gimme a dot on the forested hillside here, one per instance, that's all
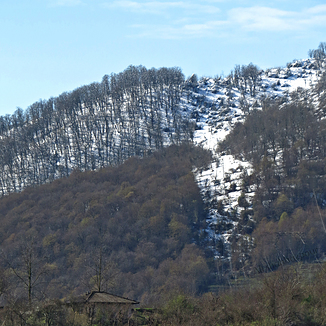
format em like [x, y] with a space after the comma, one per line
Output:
[267, 132]
[285, 143]
[136, 230]
[106, 188]
[97, 125]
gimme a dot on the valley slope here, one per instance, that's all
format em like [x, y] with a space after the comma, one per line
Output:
[111, 168]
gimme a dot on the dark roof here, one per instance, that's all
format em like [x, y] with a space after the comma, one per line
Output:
[102, 297]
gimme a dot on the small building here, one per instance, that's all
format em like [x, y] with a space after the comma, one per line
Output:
[91, 303]
[96, 297]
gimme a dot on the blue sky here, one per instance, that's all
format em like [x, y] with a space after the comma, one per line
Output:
[51, 46]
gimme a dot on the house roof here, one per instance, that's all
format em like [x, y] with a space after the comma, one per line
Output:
[102, 297]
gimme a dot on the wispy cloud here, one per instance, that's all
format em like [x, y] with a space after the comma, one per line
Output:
[160, 7]
[214, 1]
[317, 9]
[177, 32]
[275, 20]
[65, 3]
[263, 19]
[194, 20]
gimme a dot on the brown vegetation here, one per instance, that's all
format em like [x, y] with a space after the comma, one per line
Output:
[291, 296]
[132, 229]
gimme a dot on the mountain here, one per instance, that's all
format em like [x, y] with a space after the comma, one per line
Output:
[262, 184]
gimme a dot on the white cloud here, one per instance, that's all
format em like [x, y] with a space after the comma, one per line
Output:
[193, 19]
[159, 7]
[262, 19]
[66, 3]
[271, 19]
[182, 31]
[317, 9]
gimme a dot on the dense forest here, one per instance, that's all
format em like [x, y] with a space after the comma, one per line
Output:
[137, 230]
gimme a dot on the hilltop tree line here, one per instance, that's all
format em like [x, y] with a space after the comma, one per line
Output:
[319, 54]
[97, 125]
[246, 78]
[106, 122]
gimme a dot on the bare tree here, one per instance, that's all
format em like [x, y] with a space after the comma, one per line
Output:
[27, 267]
[103, 270]
[319, 54]
[250, 75]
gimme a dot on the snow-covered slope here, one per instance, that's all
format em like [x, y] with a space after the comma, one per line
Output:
[138, 111]
[216, 105]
